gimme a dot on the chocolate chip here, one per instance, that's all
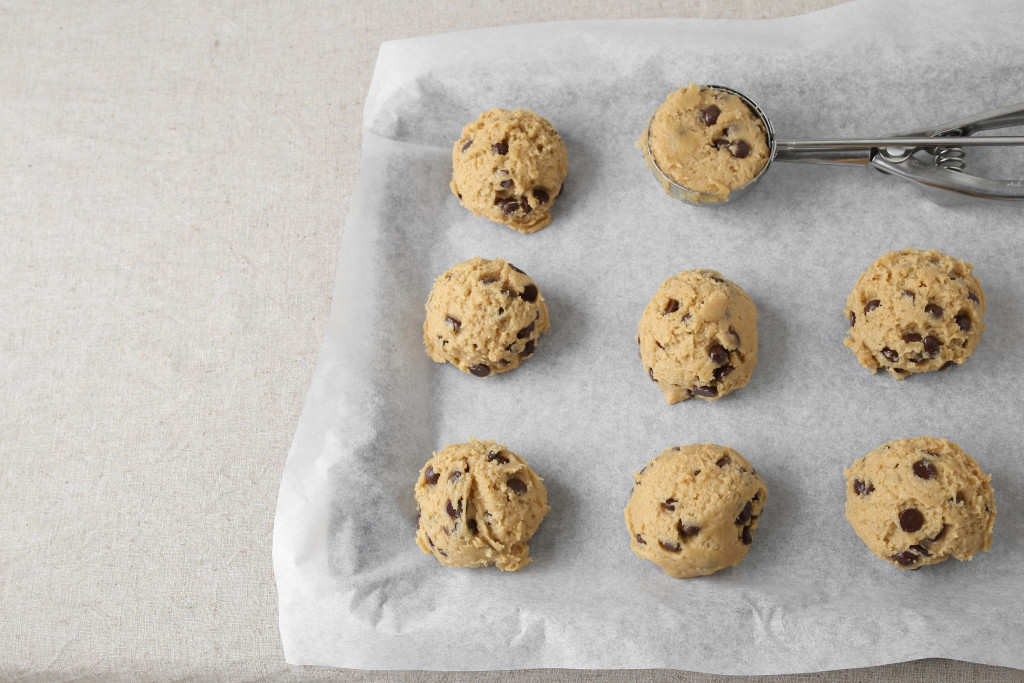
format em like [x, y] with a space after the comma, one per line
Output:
[920, 550]
[972, 297]
[710, 115]
[526, 205]
[925, 469]
[640, 540]
[669, 505]
[869, 489]
[500, 148]
[459, 195]
[735, 334]
[488, 280]
[911, 520]
[671, 547]
[907, 292]
[506, 183]
[442, 552]
[685, 317]
[931, 345]
[720, 373]
[745, 513]
[963, 321]
[453, 322]
[947, 365]
[890, 355]
[723, 461]
[686, 530]
[526, 331]
[480, 370]
[942, 532]
[720, 143]
[696, 472]
[860, 488]
[429, 541]
[718, 354]
[541, 195]
[454, 476]
[853, 318]
[707, 392]
[746, 537]
[718, 279]
[650, 373]
[529, 293]
[507, 205]
[453, 511]
[739, 149]
[911, 337]
[469, 143]
[959, 498]
[517, 486]
[871, 305]
[430, 476]
[671, 307]
[527, 348]
[933, 310]
[906, 558]
[496, 455]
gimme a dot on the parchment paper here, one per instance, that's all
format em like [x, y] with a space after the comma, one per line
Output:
[356, 591]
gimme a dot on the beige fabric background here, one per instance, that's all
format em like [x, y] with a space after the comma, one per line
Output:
[174, 179]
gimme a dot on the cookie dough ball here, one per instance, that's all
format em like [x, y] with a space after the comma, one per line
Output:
[508, 167]
[915, 502]
[913, 311]
[708, 141]
[698, 336]
[479, 504]
[484, 316]
[694, 509]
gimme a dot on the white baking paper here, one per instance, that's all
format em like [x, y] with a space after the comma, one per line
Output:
[355, 590]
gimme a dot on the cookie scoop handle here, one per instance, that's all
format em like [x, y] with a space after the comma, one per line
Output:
[862, 150]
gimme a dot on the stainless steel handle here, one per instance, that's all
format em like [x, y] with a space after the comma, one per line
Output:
[861, 150]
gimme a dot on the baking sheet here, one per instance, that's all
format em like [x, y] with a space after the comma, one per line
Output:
[355, 590]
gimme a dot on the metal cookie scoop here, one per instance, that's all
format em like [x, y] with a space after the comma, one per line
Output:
[933, 157]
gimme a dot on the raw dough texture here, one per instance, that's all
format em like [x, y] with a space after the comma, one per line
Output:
[694, 509]
[484, 316]
[708, 141]
[479, 504]
[913, 311]
[915, 502]
[698, 336]
[509, 166]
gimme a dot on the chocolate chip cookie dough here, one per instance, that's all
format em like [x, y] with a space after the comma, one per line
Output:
[708, 141]
[913, 311]
[479, 504]
[698, 336]
[483, 317]
[916, 502]
[694, 509]
[509, 167]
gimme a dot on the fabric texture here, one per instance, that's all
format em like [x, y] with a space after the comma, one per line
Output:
[174, 180]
